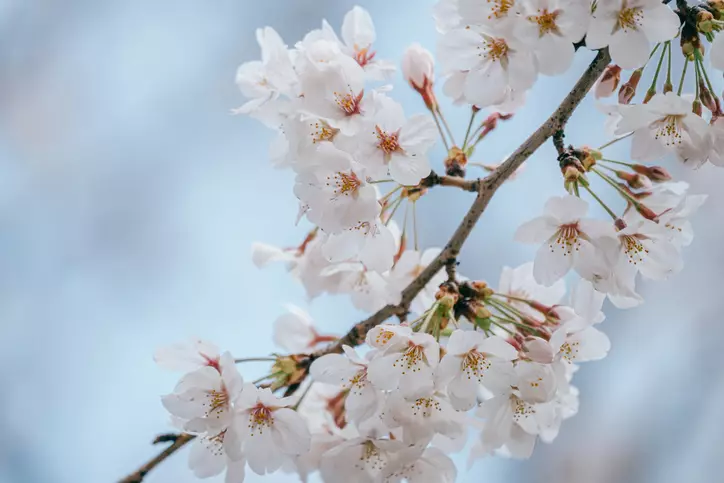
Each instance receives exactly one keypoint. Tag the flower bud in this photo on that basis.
(619, 224)
(455, 162)
(704, 21)
(646, 212)
(707, 99)
(649, 95)
(628, 90)
(608, 82)
(539, 350)
(418, 68)
(657, 174)
(634, 180)
(696, 107)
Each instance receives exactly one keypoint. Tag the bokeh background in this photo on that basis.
(130, 196)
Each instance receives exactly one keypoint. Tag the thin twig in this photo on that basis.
(177, 442)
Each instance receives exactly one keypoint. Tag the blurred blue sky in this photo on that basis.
(129, 198)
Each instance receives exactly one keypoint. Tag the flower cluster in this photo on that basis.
(466, 362)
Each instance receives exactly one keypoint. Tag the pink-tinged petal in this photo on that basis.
(521, 444)
(599, 32)
(262, 454)
(629, 48)
(232, 444)
(418, 134)
(555, 55)
(566, 209)
(486, 86)
(536, 230)
(358, 31)
(290, 432)
(332, 369)
(449, 367)
(248, 397)
(383, 374)
(409, 170)
(362, 402)
(587, 301)
(458, 49)
(551, 263)
(660, 23)
(498, 347)
(463, 393)
(204, 459)
(235, 471)
(461, 341)
(592, 345)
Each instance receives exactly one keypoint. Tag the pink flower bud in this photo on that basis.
(418, 66)
(538, 350)
(657, 174)
(628, 90)
(608, 82)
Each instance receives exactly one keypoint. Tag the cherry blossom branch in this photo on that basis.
(177, 442)
(485, 188)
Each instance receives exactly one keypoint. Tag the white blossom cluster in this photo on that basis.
(466, 363)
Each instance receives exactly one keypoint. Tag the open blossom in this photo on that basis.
(496, 61)
(608, 82)
(337, 193)
(368, 290)
(408, 267)
(391, 145)
(295, 333)
(520, 283)
(188, 356)
(270, 432)
(421, 418)
(676, 220)
(333, 89)
(350, 372)
(489, 11)
(628, 27)
(551, 27)
(473, 360)
(664, 125)
(566, 237)
(370, 242)
(408, 367)
(202, 398)
(418, 465)
(358, 460)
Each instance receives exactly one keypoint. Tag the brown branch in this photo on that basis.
(177, 442)
(486, 189)
(434, 179)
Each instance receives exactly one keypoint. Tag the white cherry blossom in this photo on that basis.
(188, 356)
(489, 11)
(350, 372)
(211, 453)
(391, 145)
(418, 465)
(422, 417)
(472, 360)
(337, 193)
(270, 432)
(551, 27)
(566, 236)
(519, 282)
(408, 267)
(359, 460)
(676, 220)
(294, 331)
(664, 125)
(370, 242)
(628, 27)
(495, 61)
(408, 367)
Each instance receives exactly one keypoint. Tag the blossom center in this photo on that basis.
(635, 250)
(363, 56)
(669, 129)
(567, 239)
(425, 406)
(216, 401)
(496, 49)
(348, 103)
(260, 418)
(475, 364)
(215, 443)
(499, 8)
(630, 18)
(384, 336)
(358, 382)
(321, 131)
(387, 142)
(546, 21)
(344, 183)
(371, 457)
(410, 359)
(569, 350)
(521, 409)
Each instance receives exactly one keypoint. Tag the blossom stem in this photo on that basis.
(600, 202)
(255, 359)
(382, 181)
(613, 183)
(268, 376)
(439, 129)
(444, 123)
(177, 442)
(397, 203)
(387, 196)
(614, 141)
(658, 68)
(617, 162)
(470, 126)
(683, 76)
(502, 327)
(668, 71)
(414, 223)
(698, 57)
(511, 297)
(304, 394)
(698, 79)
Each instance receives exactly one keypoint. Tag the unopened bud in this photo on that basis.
(482, 289)
(455, 162)
(649, 95)
(657, 174)
(619, 224)
(704, 21)
(538, 350)
(646, 212)
(668, 86)
(628, 90)
(608, 82)
(707, 98)
(634, 180)
(418, 68)
(571, 173)
(696, 107)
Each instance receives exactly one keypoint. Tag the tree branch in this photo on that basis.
(486, 188)
(177, 442)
